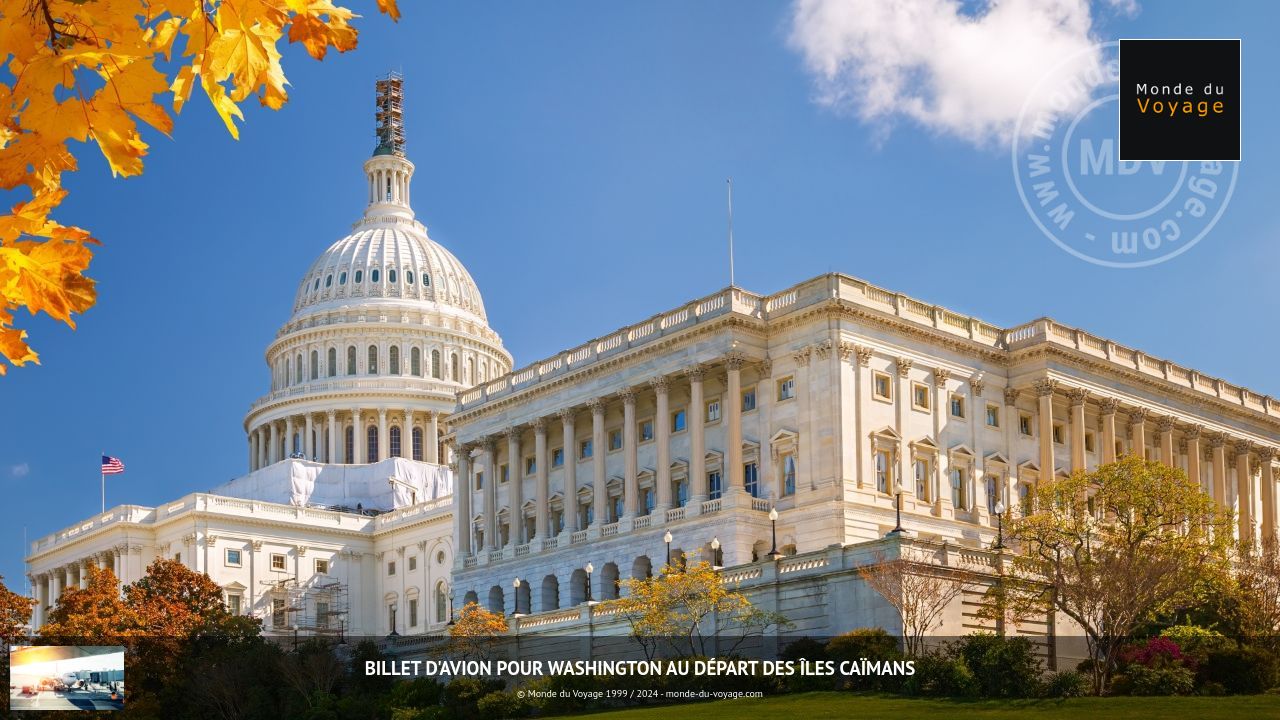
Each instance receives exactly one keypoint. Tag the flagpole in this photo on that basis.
(104, 482)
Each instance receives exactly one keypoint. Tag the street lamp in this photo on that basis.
(897, 494)
(999, 526)
(773, 520)
(667, 539)
(590, 569)
(516, 600)
(451, 609)
(715, 552)
(295, 637)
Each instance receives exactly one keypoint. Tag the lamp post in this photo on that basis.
(667, 539)
(295, 637)
(590, 569)
(999, 526)
(773, 520)
(897, 495)
(450, 608)
(715, 552)
(515, 601)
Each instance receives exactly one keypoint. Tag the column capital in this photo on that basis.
(1108, 405)
(628, 397)
(1266, 453)
(660, 384)
(1011, 396)
(382, 413)
(695, 374)
(1182, 446)
(1045, 387)
(864, 354)
(490, 444)
(845, 348)
(940, 376)
(332, 414)
(1166, 423)
(1217, 440)
(904, 366)
(1192, 432)
(823, 349)
(976, 383)
(766, 367)
(597, 405)
(1137, 416)
(512, 433)
(567, 415)
(539, 426)
(1243, 447)
(1077, 396)
(733, 360)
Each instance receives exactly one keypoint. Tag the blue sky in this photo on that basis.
(573, 156)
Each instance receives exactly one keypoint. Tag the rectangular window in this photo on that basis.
(1088, 442)
(1057, 433)
(958, 499)
(530, 465)
(504, 471)
(479, 481)
(585, 449)
(957, 406)
(615, 439)
(322, 567)
(322, 614)
(751, 479)
(882, 386)
(557, 457)
(677, 421)
(749, 399)
(713, 411)
(413, 612)
(619, 506)
(681, 492)
(992, 494)
(391, 568)
(713, 485)
(413, 563)
(922, 478)
(786, 388)
(277, 561)
(993, 416)
(884, 471)
(919, 396)
(648, 501)
(646, 430)
(177, 557)
(1024, 424)
(233, 604)
(788, 474)
(233, 558)
(277, 612)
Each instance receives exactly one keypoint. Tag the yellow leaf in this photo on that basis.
(390, 8)
(47, 277)
(13, 346)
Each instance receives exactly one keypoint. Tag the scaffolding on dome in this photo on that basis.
(390, 115)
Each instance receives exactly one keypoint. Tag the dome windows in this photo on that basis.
(373, 358)
(426, 279)
(342, 278)
(328, 280)
(391, 276)
(317, 285)
(373, 275)
(408, 277)
(359, 276)
(351, 359)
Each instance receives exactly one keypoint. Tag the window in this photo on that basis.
(922, 478)
(1024, 424)
(646, 430)
(1024, 498)
(713, 485)
(417, 444)
(328, 280)
(322, 566)
(359, 276)
(391, 609)
(371, 445)
(504, 473)
(391, 567)
(415, 362)
(351, 360)
(1088, 441)
(435, 364)
(277, 561)
(233, 604)
(322, 613)
(958, 495)
(297, 368)
(442, 603)
(993, 496)
(713, 411)
(788, 475)
(413, 612)
(884, 471)
(919, 396)
(333, 362)
(351, 446)
(1057, 433)
(557, 457)
(315, 365)
(453, 368)
(233, 558)
(373, 275)
(585, 449)
(749, 399)
(373, 360)
(395, 441)
(479, 481)
(393, 359)
(677, 421)
(177, 557)
(342, 278)
(391, 275)
(408, 277)
(530, 465)
(957, 406)
(317, 285)
(277, 612)
(615, 439)
(751, 479)
(881, 386)
(648, 500)
(993, 416)
(413, 563)
(786, 388)
(680, 491)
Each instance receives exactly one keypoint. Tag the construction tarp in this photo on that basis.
(307, 483)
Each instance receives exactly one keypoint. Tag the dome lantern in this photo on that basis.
(389, 171)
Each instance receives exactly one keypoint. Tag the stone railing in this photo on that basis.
(362, 383)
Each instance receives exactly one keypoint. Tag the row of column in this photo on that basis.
(48, 586)
(732, 472)
(268, 446)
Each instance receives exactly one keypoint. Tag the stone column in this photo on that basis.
(55, 586)
(905, 474)
(630, 439)
(1166, 425)
(600, 503)
(1195, 454)
(515, 490)
(542, 491)
(406, 440)
(862, 380)
(570, 471)
(662, 438)
(264, 446)
(274, 455)
(1007, 491)
(1268, 493)
(37, 592)
(490, 461)
(357, 438)
(462, 498)
(766, 390)
(1138, 431)
(1077, 397)
(1244, 491)
(942, 506)
(1217, 445)
(733, 409)
(1108, 407)
(332, 454)
(309, 442)
(433, 440)
(1044, 394)
(288, 436)
(253, 450)
(697, 440)
(384, 440)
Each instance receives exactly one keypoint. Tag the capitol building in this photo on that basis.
(400, 467)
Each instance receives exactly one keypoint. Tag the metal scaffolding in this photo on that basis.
(390, 115)
(319, 609)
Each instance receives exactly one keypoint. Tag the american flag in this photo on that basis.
(111, 465)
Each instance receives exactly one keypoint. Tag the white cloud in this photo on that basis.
(951, 68)
(19, 470)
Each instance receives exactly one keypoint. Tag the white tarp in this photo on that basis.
(302, 482)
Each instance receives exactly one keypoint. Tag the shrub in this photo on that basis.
(1164, 680)
(1158, 652)
(873, 644)
(810, 650)
(1064, 684)
(1003, 667)
(462, 695)
(940, 675)
(501, 705)
(1240, 671)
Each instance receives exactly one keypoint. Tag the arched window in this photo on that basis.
(426, 279)
(342, 278)
(371, 455)
(351, 359)
(415, 362)
(333, 362)
(359, 276)
(408, 277)
(373, 275)
(317, 285)
(417, 443)
(373, 360)
(328, 280)
(297, 368)
(315, 364)
(391, 276)
(442, 602)
(453, 367)
(349, 455)
(395, 441)
(393, 359)
(435, 364)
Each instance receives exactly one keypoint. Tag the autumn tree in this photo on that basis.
(15, 614)
(89, 71)
(1257, 577)
(919, 591)
(171, 600)
(1114, 549)
(93, 614)
(682, 609)
(475, 633)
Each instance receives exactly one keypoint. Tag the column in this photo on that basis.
(288, 436)
(1217, 445)
(1077, 397)
(82, 571)
(1008, 491)
(1195, 454)
(490, 489)
(55, 586)
(766, 392)
(697, 440)
(37, 591)
(600, 503)
(733, 409)
(274, 455)
(1108, 408)
(1044, 394)
(862, 380)
(942, 506)
(629, 441)
(901, 405)
(331, 425)
(309, 442)
(662, 438)
(357, 438)
(1244, 491)
(253, 451)
(1268, 494)
(1138, 431)
(462, 497)
(1166, 425)
(542, 491)
(384, 444)
(515, 490)
(570, 470)
(406, 441)
(263, 446)
(433, 441)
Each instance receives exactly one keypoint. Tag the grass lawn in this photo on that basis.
(816, 706)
